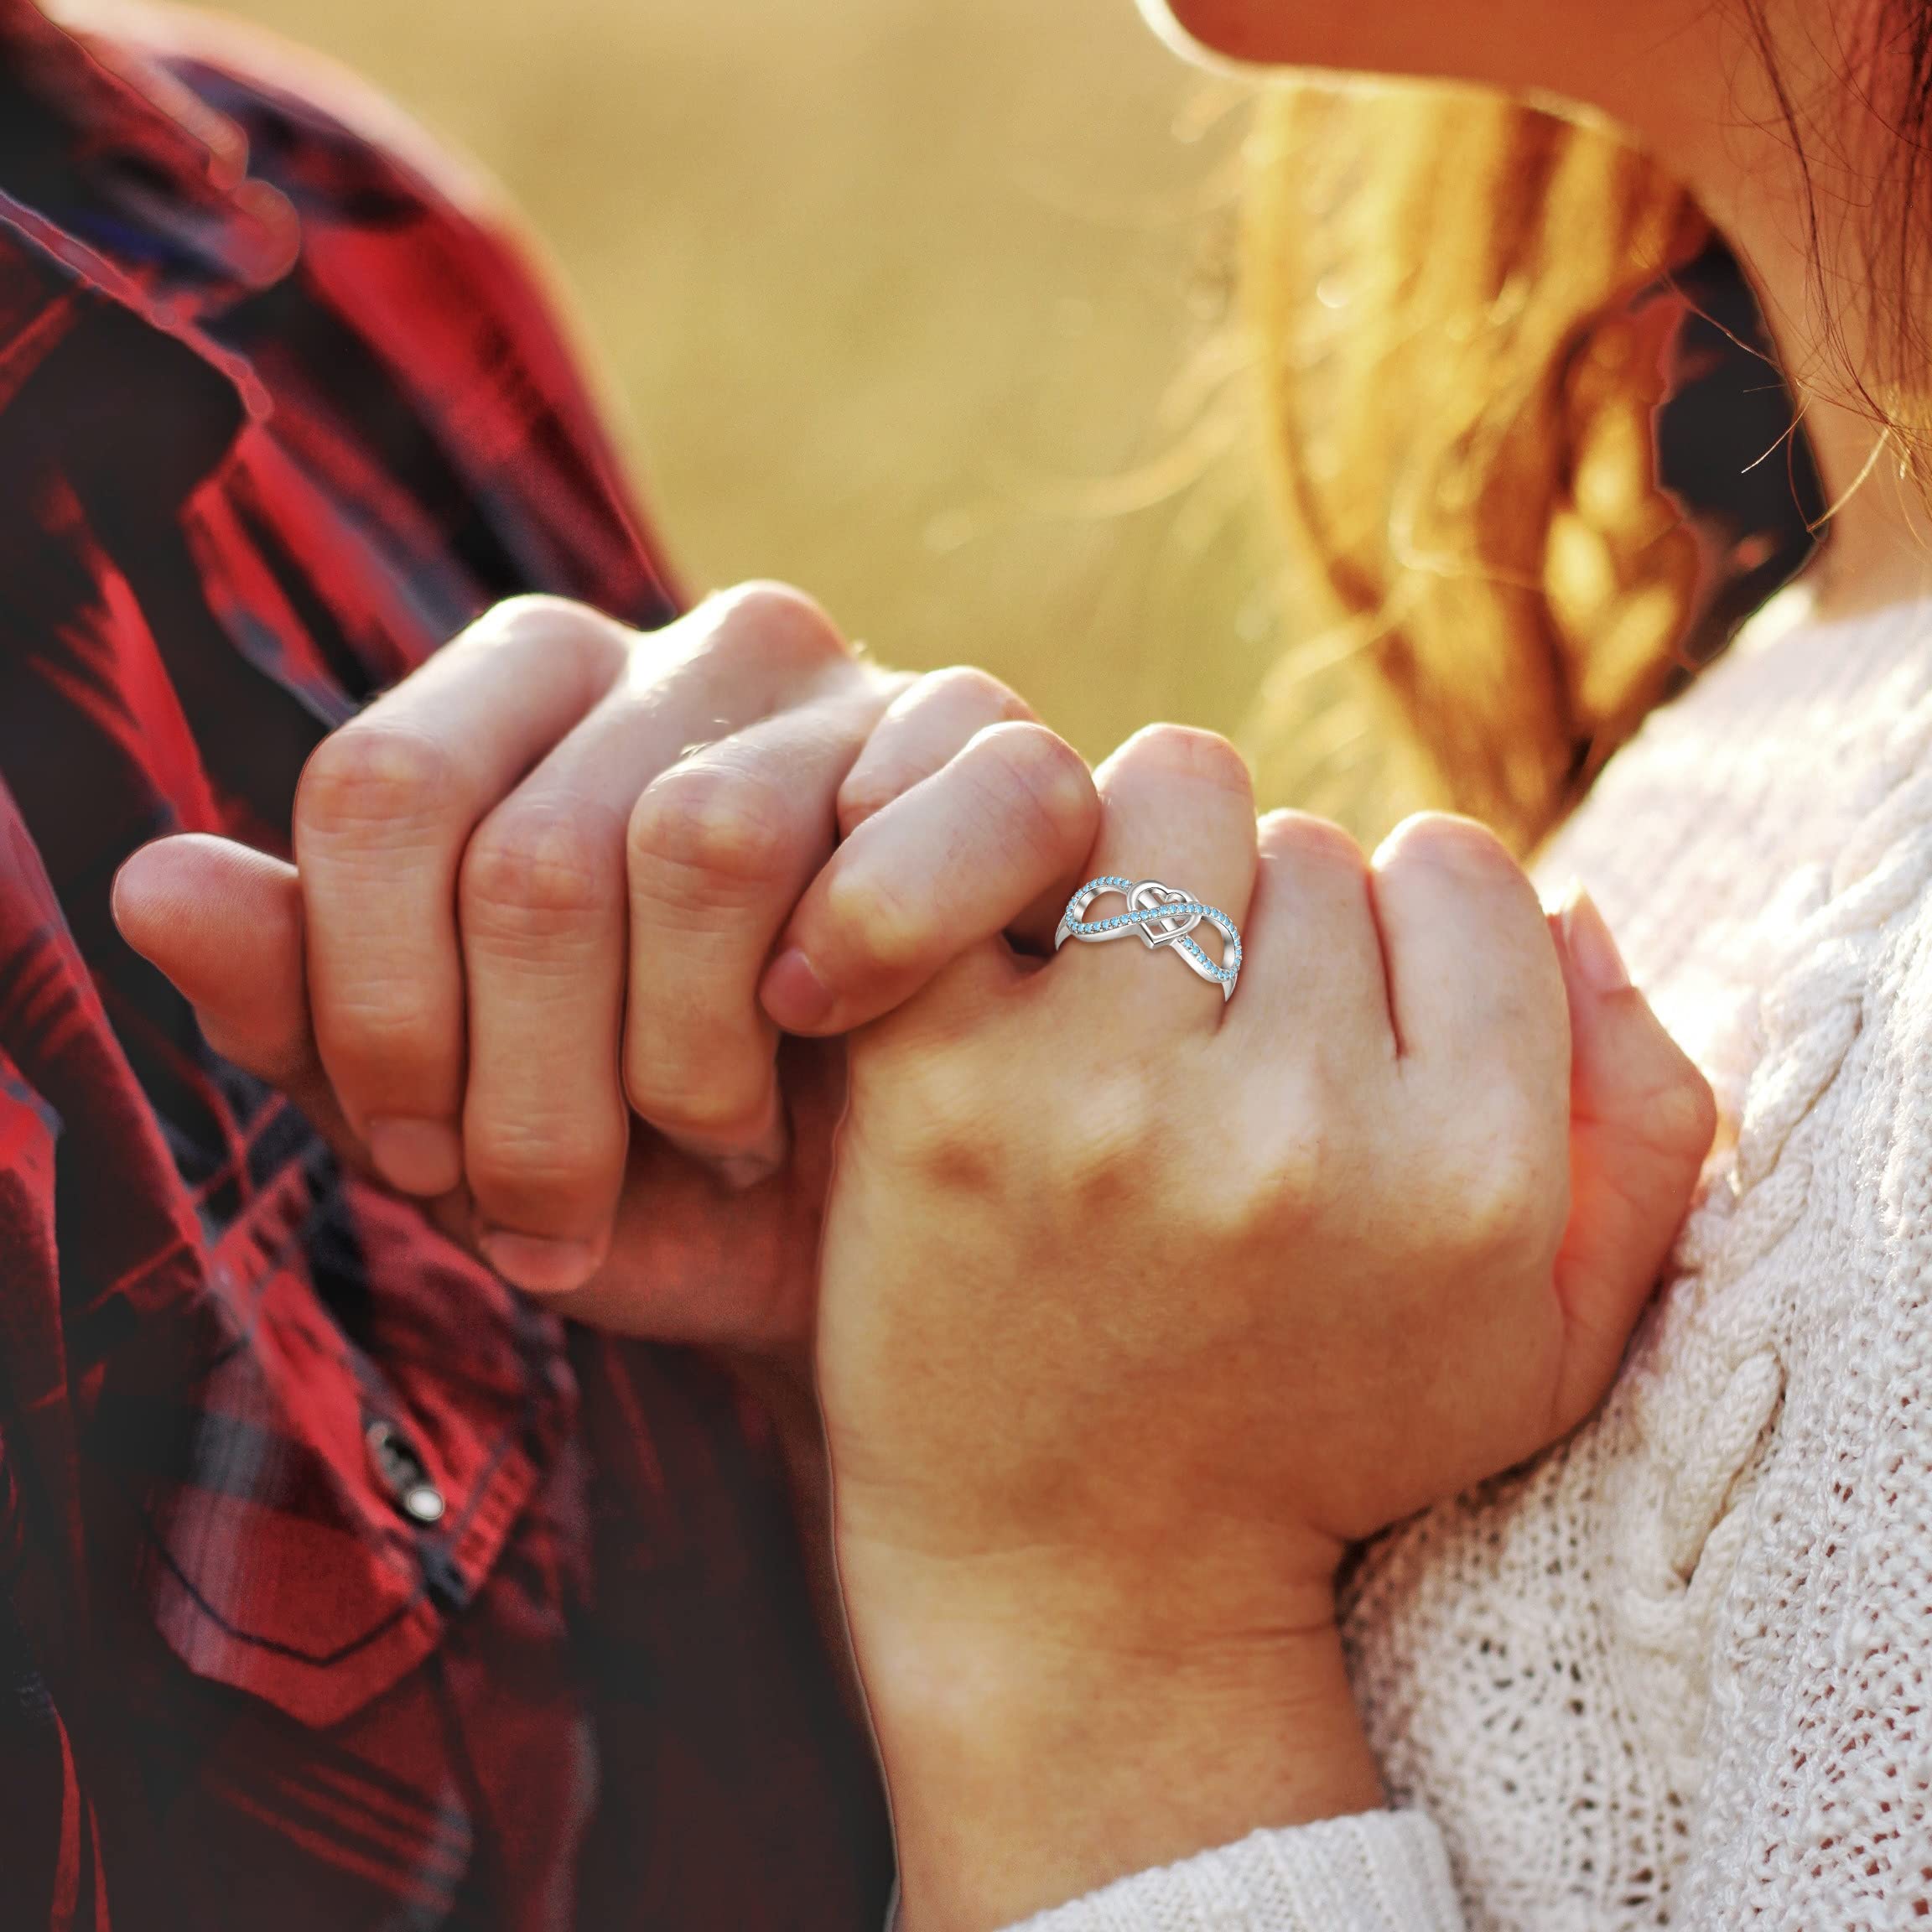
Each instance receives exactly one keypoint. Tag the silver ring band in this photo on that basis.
(1161, 915)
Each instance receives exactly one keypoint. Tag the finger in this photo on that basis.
(1313, 981)
(924, 727)
(1475, 989)
(927, 725)
(1641, 1121)
(545, 928)
(544, 1124)
(1177, 806)
(720, 848)
(224, 922)
(1005, 827)
(697, 1261)
(384, 809)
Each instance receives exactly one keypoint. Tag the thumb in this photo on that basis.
(1641, 1121)
(224, 922)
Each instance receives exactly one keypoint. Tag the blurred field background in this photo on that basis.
(922, 304)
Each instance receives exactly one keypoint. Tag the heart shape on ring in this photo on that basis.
(1162, 916)
(1166, 927)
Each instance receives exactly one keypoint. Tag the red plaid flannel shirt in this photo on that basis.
(278, 414)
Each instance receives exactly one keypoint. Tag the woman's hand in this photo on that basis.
(1137, 1309)
(537, 890)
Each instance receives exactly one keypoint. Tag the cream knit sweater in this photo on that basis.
(1679, 1673)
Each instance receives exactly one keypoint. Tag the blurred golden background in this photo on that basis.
(926, 307)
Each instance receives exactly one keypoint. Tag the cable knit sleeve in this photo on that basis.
(1381, 1872)
(1816, 1748)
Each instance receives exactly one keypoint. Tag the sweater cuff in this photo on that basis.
(1378, 1871)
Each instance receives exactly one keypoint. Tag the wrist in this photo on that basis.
(1034, 1751)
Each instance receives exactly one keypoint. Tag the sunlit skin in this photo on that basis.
(1094, 1619)
(1686, 78)
(1095, 1632)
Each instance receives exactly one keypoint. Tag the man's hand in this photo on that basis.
(538, 891)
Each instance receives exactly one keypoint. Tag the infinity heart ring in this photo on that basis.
(1161, 915)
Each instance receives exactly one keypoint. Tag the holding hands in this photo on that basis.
(523, 967)
(1134, 1308)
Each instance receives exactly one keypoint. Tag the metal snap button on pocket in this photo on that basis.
(400, 1467)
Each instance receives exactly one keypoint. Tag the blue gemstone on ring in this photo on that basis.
(1162, 919)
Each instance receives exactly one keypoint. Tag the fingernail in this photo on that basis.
(416, 1157)
(793, 994)
(537, 1265)
(1591, 949)
(758, 1159)
(740, 1171)
(115, 892)
(746, 1167)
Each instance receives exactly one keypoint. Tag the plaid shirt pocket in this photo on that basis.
(321, 1519)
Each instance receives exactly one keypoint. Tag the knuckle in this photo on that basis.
(1185, 751)
(873, 912)
(1296, 1170)
(396, 1023)
(869, 787)
(773, 623)
(1236, 1207)
(865, 794)
(971, 691)
(523, 1154)
(1680, 1115)
(539, 615)
(1104, 1153)
(371, 775)
(922, 1100)
(927, 1101)
(1504, 1193)
(724, 1104)
(1045, 780)
(970, 701)
(537, 868)
(1455, 844)
(556, 626)
(1696, 1105)
(1302, 837)
(1299, 1178)
(709, 832)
